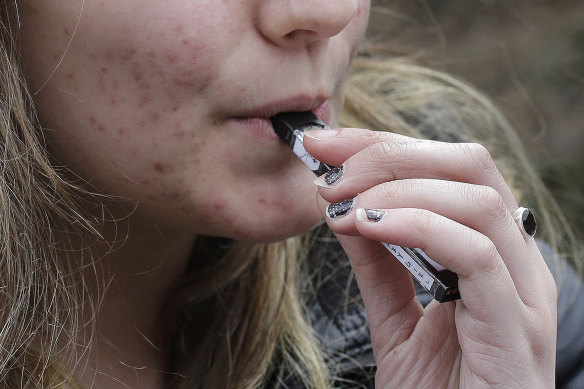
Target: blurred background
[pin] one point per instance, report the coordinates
(528, 55)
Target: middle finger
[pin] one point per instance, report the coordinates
(391, 160)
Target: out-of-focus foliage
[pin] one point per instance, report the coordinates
(528, 55)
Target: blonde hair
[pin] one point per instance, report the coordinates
(239, 319)
(38, 304)
(392, 92)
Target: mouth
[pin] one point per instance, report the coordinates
(318, 105)
(257, 120)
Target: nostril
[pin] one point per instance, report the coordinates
(299, 35)
(292, 35)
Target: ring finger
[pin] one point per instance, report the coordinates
(477, 207)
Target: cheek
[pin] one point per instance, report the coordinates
(130, 101)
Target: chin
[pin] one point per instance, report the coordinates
(267, 229)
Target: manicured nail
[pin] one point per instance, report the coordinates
(330, 177)
(341, 208)
(320, 134)
(369, 215)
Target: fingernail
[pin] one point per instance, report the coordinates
(341, 208)
(330, 177)
(320, 134)
(369, 215)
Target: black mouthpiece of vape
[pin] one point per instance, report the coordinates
(286, 123)
(290, 126)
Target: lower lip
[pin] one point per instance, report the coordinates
(258, 127)
(262, 127)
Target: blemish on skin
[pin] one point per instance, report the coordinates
(144, 100)
(95, 123)
(179, 134)
(136, 71)
(172, 57)
(173, 196)
(219, 205)
(160, 168)
(154, 116)
(69, 76)
(121, 131)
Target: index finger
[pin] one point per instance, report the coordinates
(338, 145)
(370, 158)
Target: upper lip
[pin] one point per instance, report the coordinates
(299, 103)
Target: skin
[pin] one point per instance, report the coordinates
(451, 201)
(141, 101)
(162, 104)
(151, 102)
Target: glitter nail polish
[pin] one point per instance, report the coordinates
(374, 215)
(339, 209)
(333, 175)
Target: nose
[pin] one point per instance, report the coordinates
(294, 23)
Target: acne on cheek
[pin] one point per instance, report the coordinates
(176, 74)
(219, 204)
(99, 126)
(173, 57)
(161, 168)
(139, 87)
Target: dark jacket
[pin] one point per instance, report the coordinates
(342, 323)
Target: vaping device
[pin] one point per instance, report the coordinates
(440, 282)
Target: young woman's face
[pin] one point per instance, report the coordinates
(165, 102)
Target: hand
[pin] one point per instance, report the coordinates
(451, 201)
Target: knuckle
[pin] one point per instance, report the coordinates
(379, 155)
(426, 222)
(480, 156)
(380, 151)
(486, 255)
(397, 189)
(374, 137)
(490, 203)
